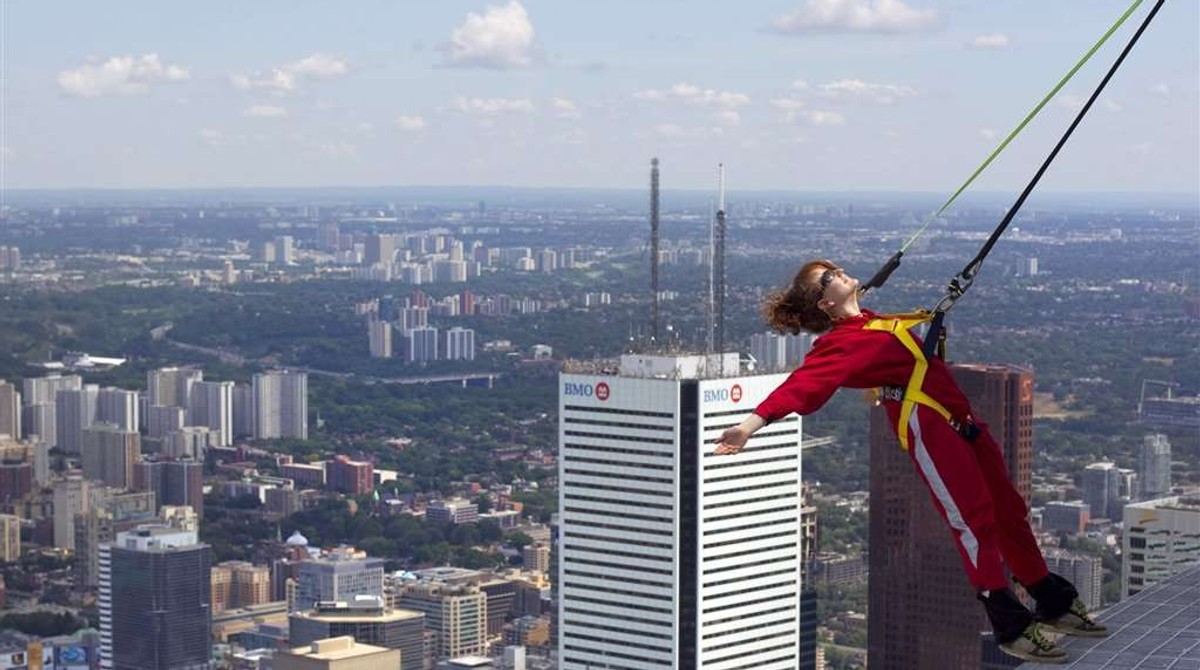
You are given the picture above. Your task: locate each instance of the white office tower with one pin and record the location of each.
(1161, 539)
(212, 408)
(10, 410)
(460, 344)
(74, 411)
(1154, 466)
(1083, 570)
(421, 345)
(1102, 490)
(118, 407)
(281, 405)
(672, 557)
(379, 338)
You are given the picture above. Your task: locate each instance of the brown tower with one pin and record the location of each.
(922, 611)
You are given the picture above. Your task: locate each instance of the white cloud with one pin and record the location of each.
(787, 105)
(857, 90)
(288, 78)
(265, 112)
(410, 123)
(1161, 90)
(119, 75)
(729, 118)
(856, 16)
(800, 85)
(987, 134)
(694, 95)
(565, 109)
(500, 39)
(492, 106)
(822, 118)
(1112, 105)
(993, 41)
(217, 138)
(1070, 101)
(1142, 149)
(669, 130)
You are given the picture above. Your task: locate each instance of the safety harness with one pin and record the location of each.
(913, 394)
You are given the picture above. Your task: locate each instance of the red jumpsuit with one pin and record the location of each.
(968, 480)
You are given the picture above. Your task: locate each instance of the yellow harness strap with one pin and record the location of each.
(899, 325)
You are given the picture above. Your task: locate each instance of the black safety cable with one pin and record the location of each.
(963, 280)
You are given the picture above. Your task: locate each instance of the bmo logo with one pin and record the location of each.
(599, 391)
(731, 394)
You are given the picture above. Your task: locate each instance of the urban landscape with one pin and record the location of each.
(285, 426)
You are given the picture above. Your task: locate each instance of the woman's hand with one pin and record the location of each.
(732, 441)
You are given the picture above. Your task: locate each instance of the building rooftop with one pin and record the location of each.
(337, 648)
(1156, 628)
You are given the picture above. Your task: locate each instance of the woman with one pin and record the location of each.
(954, 453)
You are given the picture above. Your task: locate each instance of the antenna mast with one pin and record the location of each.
(719, 263)
(654, 251)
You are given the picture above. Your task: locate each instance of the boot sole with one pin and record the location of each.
(1074, 632)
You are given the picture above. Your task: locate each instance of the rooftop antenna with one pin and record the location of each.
(719, 263)
(709, 304)
(654, 251)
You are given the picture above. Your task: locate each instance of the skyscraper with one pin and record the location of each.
(379, 249)
(70, 499)
(1101, 490)
(340, 574)
(1154, 466)
(212, 407)
(368, 621)
(672, 557)
(281, 405)
(75, 410)
(1161, 539)
(1083, 570)
(172, 387)
(110, 453)
(179, 483)
(155, 597)
(379, 338)
(924, 613)
(40, 396)
(456, 613)
(10, 410)
(10, 538)
(119, 408)
(460, 344)
(421, 345)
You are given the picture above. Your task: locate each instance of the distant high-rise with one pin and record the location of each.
(163, 420)
(671, 557)
(40, 390)
(1068, 517)
(284, 250)
(460, 344)
(1154, 466)
(239, 584)
(109, 512)
(340, 574)
(211, 406)
(777, 352)
(421, 345)
(71, 497)
(1161, 539)
(155, 596)
(110, 454)
(1101, 490)
(912, 624)
(118, 407)
(281, 405)
(173, 482)
(456, 613)
(75, 410)
(10, 538)
(172, 387)
(379, 338)
(1083, 570)
(367, 621)
(243, 410)
(379, 249)
(10, 410)
(347, 476)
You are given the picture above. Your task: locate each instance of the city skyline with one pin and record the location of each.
(793, 94)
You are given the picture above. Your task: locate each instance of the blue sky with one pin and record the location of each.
(790, 94)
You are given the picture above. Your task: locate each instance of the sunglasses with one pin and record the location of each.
(827, 278)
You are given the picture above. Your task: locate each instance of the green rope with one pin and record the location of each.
(1029, 117)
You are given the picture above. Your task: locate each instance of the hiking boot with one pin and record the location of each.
(1076, 622)
(1033, 646)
